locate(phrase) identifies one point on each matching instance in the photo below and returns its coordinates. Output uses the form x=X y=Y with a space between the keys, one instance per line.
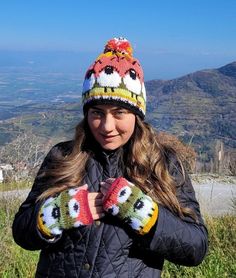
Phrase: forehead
x=108 y=107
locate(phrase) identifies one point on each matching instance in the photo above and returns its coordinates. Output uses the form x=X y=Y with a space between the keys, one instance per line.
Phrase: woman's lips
x=108 y=137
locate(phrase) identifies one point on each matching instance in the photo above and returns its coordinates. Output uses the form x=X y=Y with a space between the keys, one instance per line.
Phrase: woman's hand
x=105 y=185
x=95 y=201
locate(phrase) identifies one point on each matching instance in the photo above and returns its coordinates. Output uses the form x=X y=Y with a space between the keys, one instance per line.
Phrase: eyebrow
x=96 y=108
x=112 y=109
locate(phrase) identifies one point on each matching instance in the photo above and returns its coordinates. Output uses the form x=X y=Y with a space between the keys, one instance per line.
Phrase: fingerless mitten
x=67 y=210
x=130 y=204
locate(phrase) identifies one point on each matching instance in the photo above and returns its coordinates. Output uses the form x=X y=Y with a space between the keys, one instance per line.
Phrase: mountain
x=199 y=107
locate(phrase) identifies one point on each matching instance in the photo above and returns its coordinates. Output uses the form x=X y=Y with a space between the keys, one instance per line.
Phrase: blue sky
x=170 y=37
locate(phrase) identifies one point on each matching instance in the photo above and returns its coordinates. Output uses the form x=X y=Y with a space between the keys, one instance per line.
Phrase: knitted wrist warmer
x=130 y=204
x=67 y=210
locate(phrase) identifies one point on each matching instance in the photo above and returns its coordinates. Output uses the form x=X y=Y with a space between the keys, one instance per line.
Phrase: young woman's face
x=112 y=126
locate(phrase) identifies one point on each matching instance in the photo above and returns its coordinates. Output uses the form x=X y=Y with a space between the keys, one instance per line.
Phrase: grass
x=220 y=261
x=17 y=185
x=15 y=261
x=221 y=258
x=210 y=177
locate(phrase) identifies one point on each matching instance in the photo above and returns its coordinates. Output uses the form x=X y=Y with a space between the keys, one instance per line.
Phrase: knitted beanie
x=115 y=77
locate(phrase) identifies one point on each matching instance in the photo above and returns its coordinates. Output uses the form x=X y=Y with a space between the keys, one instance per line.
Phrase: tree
x=25 y=154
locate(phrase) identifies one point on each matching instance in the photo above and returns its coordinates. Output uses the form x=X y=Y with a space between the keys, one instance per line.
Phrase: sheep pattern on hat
x=116 y=78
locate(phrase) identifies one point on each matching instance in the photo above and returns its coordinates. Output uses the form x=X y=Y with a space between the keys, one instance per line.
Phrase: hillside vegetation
x=199 y=108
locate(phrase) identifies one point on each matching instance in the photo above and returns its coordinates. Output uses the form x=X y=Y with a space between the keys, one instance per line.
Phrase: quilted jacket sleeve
x=181 y=241
x=24 y=227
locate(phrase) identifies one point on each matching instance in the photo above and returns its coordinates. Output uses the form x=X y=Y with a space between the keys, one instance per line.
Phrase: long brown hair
x=147 y=167
x=145 y=160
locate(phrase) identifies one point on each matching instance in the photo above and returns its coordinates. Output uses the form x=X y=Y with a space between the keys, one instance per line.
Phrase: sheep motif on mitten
x=70 y=209
x=130 y=204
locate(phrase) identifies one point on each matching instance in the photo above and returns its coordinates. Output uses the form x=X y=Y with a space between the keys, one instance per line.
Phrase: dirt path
x=216 y=198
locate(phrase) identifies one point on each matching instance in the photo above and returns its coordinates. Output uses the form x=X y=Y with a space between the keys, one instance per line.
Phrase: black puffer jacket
x=107 y=248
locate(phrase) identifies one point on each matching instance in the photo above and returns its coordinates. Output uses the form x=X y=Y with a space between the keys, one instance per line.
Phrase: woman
x=114 y=202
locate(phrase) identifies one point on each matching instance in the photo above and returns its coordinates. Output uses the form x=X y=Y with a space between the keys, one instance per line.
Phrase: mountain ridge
x=198 y=107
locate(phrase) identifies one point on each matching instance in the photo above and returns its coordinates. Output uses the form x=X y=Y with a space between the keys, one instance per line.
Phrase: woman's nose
x=108 y=123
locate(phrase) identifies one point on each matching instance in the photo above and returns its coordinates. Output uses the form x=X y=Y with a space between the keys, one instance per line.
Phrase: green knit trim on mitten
x=66 y=221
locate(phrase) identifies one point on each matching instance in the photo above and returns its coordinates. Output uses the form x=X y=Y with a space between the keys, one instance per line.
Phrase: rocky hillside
x=198 y=107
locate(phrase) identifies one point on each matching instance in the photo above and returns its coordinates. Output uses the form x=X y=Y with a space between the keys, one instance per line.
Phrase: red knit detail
x=119 y=45
x=120 y=64
x=112 y=194
x=84 y=215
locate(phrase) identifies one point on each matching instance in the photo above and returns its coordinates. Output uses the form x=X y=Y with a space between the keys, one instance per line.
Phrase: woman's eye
x=97 y=113
x=120 y=113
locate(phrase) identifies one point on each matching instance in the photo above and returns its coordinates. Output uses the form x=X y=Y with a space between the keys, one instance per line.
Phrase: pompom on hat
x=115 y=77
